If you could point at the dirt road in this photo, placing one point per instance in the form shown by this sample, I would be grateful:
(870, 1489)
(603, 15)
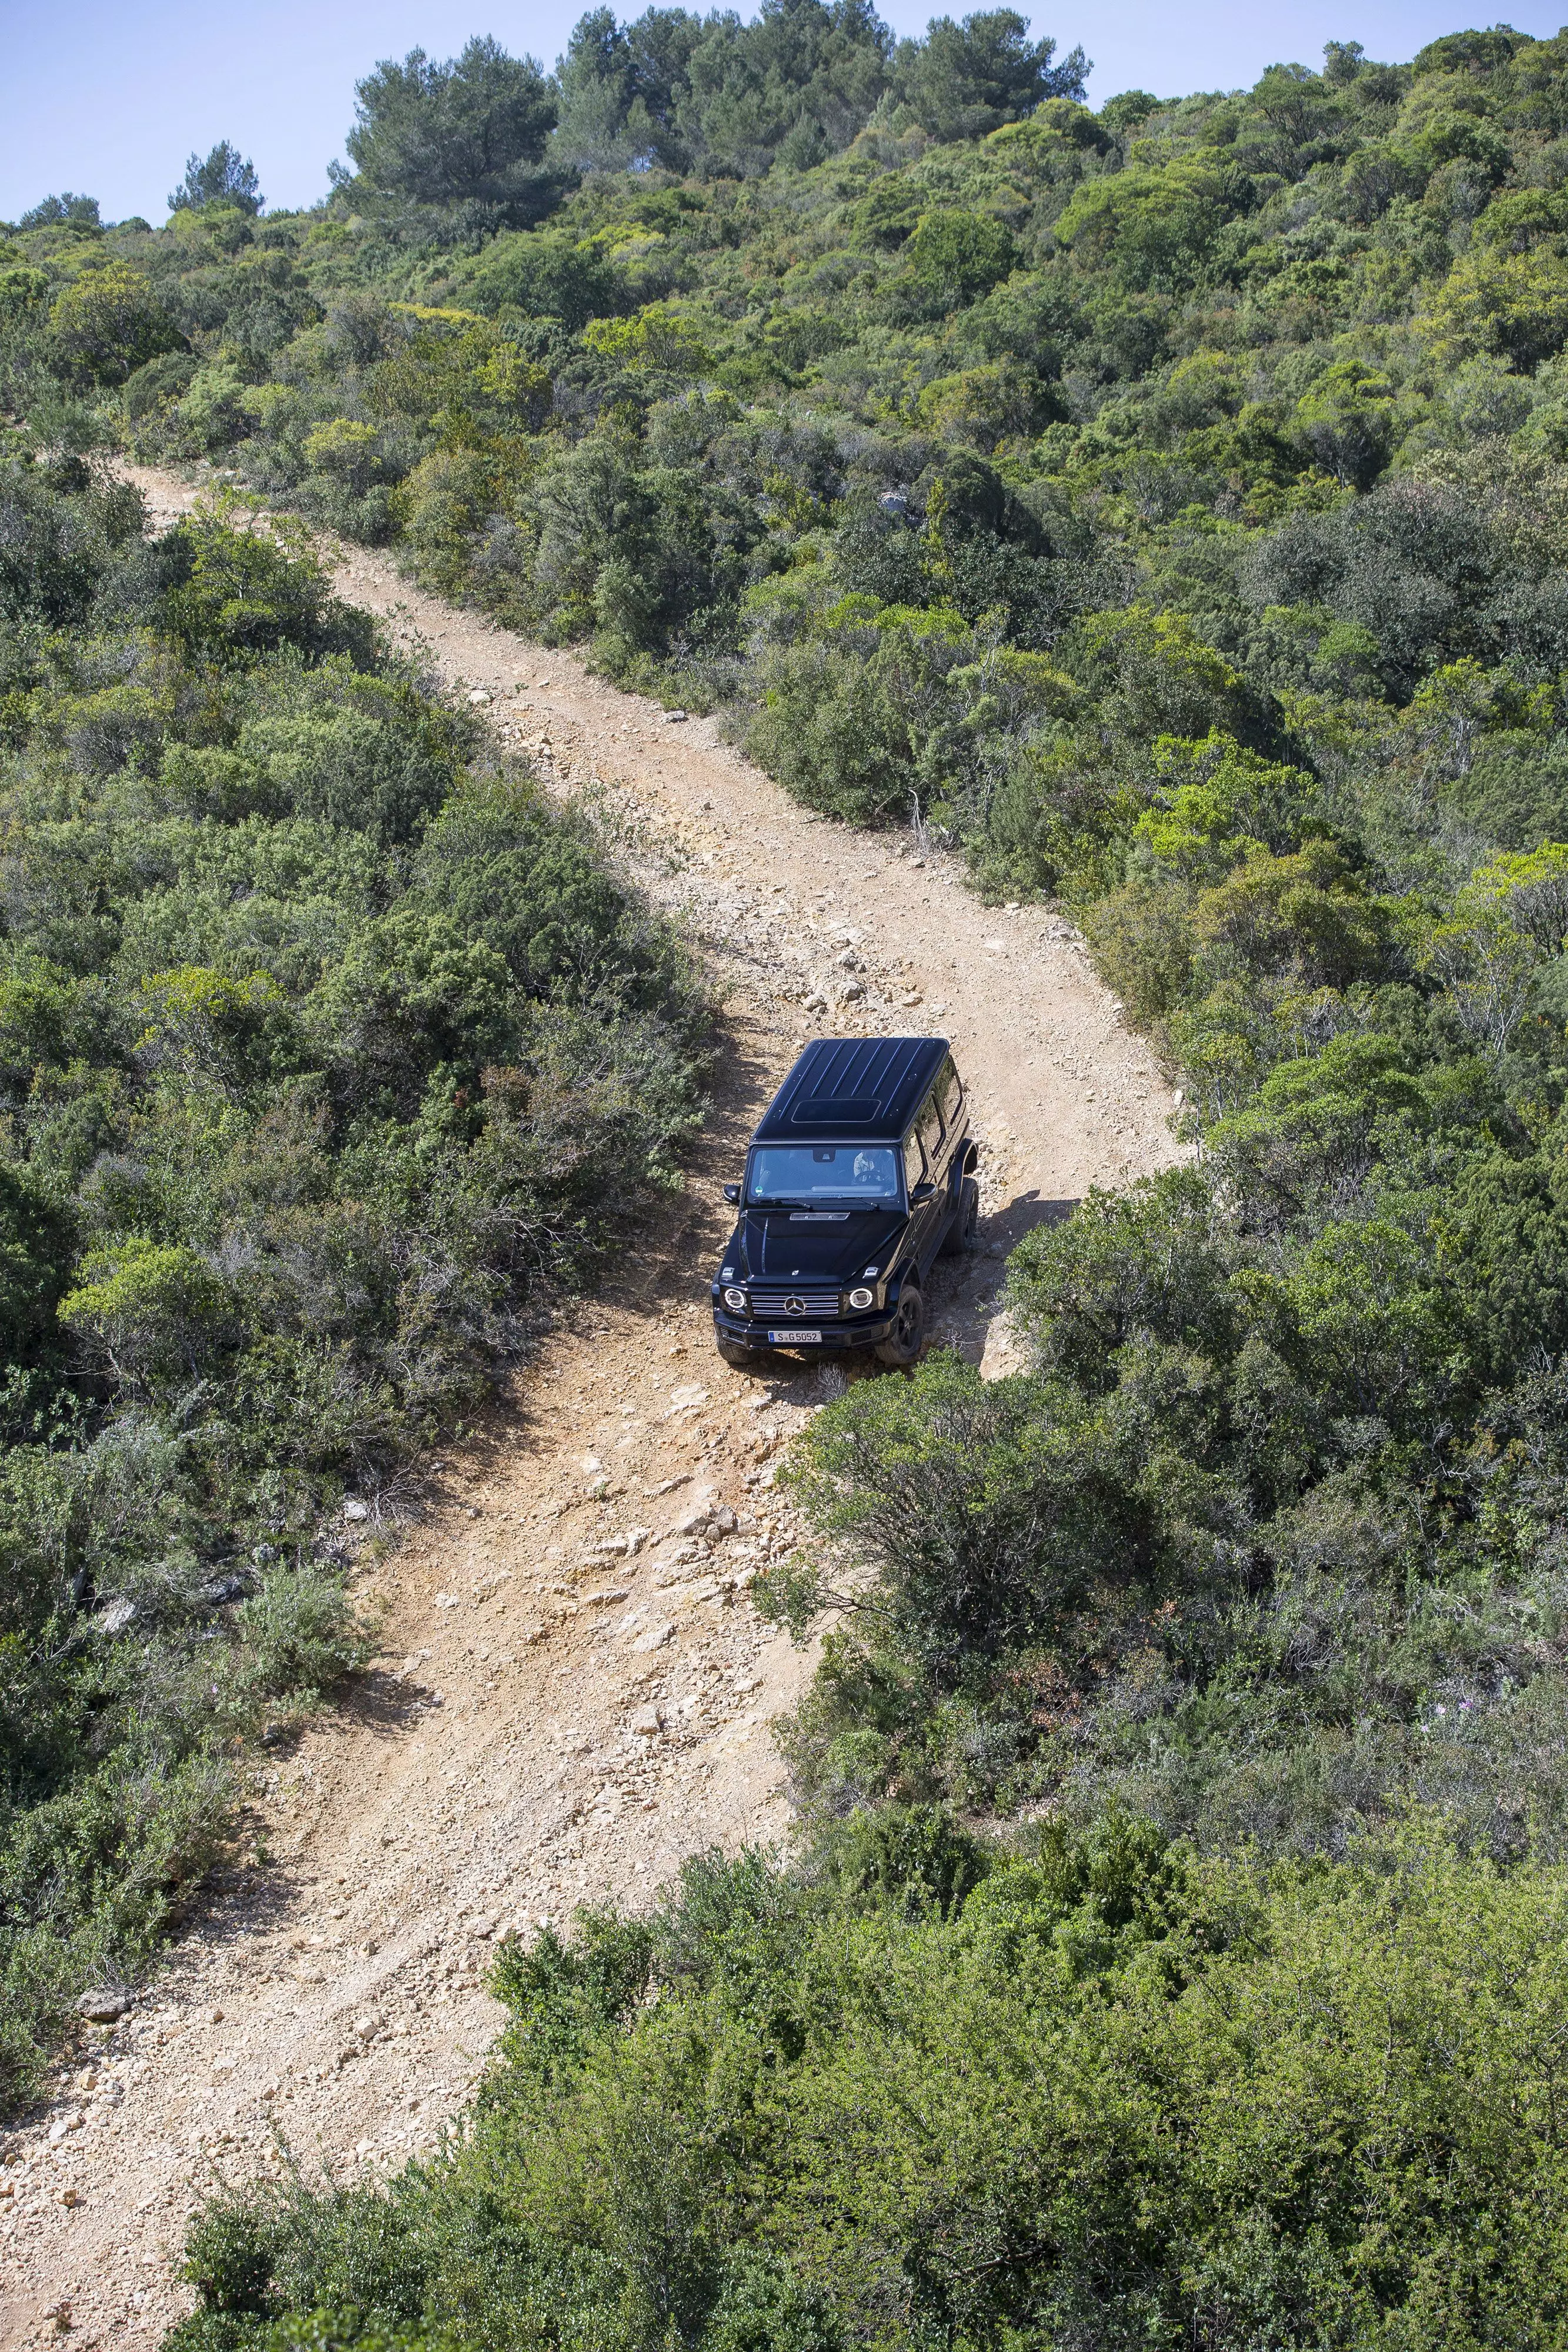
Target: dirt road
(575, 1690)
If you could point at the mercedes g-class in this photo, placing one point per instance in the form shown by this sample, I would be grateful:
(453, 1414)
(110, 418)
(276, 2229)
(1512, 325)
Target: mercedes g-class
(861, 1170)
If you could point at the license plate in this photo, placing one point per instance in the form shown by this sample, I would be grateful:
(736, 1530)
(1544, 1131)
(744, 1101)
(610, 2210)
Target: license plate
(793, 1339)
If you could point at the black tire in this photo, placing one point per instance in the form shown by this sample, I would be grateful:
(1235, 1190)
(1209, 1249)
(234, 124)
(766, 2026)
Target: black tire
(963, 1235)
(904, 1343)
(740, 1359)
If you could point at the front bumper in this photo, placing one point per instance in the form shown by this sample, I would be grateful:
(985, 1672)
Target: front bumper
(843, 1331)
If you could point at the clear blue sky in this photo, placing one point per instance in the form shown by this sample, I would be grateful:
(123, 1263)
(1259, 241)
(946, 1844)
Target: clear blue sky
(109, 99)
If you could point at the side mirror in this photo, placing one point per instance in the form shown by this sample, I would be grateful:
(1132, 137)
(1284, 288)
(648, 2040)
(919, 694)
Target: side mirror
(921, 1194)
(732, 1191)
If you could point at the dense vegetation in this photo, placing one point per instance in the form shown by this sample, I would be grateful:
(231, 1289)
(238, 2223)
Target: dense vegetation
(322, 1040)
(1114, 2099)
(1166, 505)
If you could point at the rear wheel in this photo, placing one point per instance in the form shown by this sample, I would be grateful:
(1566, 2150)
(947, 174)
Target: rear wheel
(902, 1344)
(740, 1359)
(964, 1232)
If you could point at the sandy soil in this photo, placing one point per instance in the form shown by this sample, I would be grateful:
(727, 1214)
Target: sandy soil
(574, 1690)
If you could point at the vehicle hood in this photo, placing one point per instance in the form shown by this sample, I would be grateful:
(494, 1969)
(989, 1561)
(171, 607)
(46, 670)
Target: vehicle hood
(774, 1246)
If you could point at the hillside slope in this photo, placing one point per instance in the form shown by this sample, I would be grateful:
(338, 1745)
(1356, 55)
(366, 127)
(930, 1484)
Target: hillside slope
(491, 1771)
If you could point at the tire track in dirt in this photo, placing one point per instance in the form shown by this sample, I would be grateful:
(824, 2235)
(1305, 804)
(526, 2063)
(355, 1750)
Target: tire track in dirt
(574, 1690)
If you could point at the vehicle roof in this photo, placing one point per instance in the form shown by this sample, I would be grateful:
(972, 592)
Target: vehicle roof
(874, 1085)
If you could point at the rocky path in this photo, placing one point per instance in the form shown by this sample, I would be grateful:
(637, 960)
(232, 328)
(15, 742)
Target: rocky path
(574, 1690)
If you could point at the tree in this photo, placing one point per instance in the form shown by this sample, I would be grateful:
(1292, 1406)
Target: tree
(110, 322)
(1347, 421)
(1128, 110)
(958, 256)
(619, 86)
(470, 130)
(63, 212)
(1514, 305)
(793, 85)
(1510, 917)
(544, 275)
(34, 1243)
(595, 79)
(222, 178)
(1140, 228)
(965, 79)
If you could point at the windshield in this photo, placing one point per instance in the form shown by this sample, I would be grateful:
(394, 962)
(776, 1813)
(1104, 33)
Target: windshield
(824, 1171)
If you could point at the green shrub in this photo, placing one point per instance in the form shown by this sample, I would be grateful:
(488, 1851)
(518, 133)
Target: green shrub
(108, 323)
(299, 1635)
(243, 590)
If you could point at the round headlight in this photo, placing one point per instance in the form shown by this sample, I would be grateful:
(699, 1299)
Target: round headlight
(862, 1298)
(736, 1301)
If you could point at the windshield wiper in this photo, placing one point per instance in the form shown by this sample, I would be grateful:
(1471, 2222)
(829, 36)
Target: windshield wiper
(824, 1200)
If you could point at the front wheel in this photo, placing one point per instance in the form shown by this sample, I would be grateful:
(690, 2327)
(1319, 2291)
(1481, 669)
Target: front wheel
(740, 1359)
(963, 1235)
(902, 1344)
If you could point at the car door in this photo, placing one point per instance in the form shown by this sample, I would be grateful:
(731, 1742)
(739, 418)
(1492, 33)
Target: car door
(911, 1249)
(931, 1214)
(954, 1128)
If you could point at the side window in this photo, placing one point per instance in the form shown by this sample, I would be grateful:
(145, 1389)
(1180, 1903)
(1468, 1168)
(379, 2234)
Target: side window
(928, 1128)
(912, 1168)
(949, 1093)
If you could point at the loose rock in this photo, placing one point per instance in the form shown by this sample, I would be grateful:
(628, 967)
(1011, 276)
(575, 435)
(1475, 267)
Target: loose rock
(103, 2008)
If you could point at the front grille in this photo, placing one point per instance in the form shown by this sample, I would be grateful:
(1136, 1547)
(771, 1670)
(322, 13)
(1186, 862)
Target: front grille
(794, 1305)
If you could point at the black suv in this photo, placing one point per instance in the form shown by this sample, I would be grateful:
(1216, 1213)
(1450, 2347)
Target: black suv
(860, 1171)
